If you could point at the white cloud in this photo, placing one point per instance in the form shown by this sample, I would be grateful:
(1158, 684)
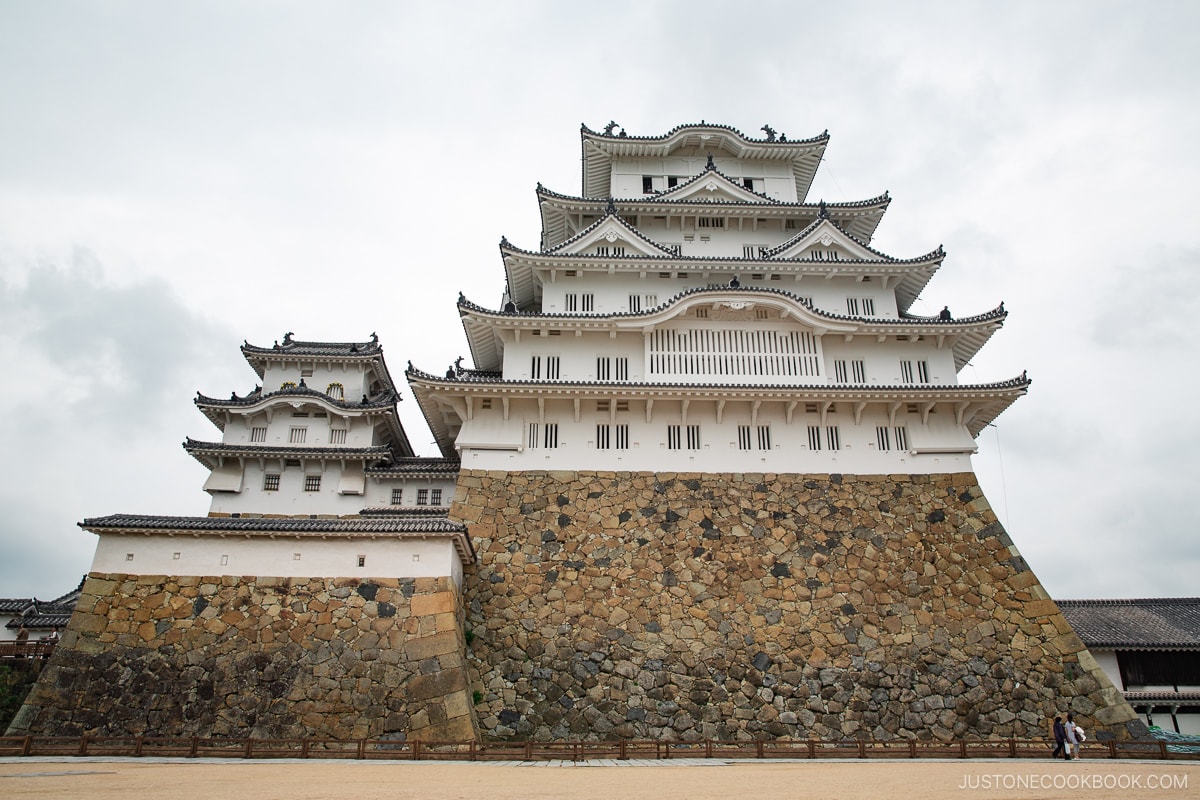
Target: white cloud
(243, 170)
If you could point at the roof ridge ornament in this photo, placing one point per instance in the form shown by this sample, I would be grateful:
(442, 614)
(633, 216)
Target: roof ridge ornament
(769, 131)
(823, 212)
(710, 164)
(608, 129)
(287, 338)
(611, 208)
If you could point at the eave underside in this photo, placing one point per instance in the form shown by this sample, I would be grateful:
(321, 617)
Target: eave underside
(447, 403)
(562, 218)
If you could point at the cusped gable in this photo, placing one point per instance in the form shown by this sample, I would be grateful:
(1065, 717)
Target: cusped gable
(610, 236)
(712, 186)
(823, 241)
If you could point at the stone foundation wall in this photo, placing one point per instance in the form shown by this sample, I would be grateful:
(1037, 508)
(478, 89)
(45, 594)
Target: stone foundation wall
(263, 657)
(688, 606)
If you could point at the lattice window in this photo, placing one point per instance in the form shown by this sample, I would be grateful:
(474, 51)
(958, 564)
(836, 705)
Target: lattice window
(422, 497)
(337, 436)
(738, 352)
(435, 497)
(297, 435)
(550, 438)
(397, 497)
(901, 437)
(312, 483)
(743, 437)
(693, 437)
(258, 434)
(271, 482)
(710, 222)
(603, 437)
(635, 303)
(336, 391)
(534, 439)
(674, 439)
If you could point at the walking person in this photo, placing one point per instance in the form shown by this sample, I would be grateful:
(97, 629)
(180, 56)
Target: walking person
(1060, 740)
(1072, 739)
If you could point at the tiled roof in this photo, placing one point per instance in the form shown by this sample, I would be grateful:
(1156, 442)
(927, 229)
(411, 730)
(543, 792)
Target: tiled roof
(200, 449)
(385, 400)
(45, 620)
(422, 512)
(416, 466)
(662, 198)
(374, 526)
(15, 605)
(584, 129)
(291, 347)
(1022, 381)
(1170, 623)
(951, 326)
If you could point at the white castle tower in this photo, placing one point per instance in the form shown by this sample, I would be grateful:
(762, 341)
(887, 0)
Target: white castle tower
(692, 311)
(316, 453)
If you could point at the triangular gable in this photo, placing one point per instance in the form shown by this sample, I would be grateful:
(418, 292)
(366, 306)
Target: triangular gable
(712, 186)
(610, 236)
(823, 241)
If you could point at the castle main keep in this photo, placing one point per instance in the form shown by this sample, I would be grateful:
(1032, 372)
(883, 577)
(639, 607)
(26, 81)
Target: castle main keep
(707, 477)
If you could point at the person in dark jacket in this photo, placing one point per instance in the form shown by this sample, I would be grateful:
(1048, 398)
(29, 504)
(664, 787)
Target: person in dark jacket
(1060, 740)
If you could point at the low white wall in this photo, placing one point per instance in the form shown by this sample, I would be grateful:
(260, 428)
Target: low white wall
(282, 557)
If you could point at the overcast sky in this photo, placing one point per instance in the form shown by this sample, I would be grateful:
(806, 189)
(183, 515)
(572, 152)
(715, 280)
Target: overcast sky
(175, 178)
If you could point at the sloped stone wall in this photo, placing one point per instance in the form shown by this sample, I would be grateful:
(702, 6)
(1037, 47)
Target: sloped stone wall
(689, 606)
(263, 657)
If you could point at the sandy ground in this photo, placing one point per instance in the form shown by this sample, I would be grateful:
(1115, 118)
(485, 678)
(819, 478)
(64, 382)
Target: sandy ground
(123, 779)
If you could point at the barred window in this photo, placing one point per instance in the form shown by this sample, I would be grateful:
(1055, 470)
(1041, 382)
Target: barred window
(397, 497)
(883, 437)
(337, 436)
(901, 437)
(435, 497)
(833, 437)
(297, 435)
(622, 437)
(271, 482)
(673, 438)
(258, 434)
(743, 437)
(603, 438)
(764, 437)
(550, 439)
(814, 437)
(422, 497)
(312, 483)
(547, 367)
(336, 391)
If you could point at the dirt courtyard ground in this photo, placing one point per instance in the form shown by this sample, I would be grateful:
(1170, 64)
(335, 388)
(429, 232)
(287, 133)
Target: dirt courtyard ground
(125, 779)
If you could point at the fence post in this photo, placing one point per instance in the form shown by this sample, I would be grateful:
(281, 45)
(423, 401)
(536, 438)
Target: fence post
(249, 748)
(137, 748)
(27, 746)
(622, 752)
(83, 743)
(416, 751)
(812, 749)
(708, 748)
(473, 755)
(528, 750)
(912, 748)
(758, 749)
(1012, 748)
(1162, 748)
(1112, 748)
(962, 748)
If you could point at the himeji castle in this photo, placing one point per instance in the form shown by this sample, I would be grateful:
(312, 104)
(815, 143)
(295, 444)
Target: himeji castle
(704, 476)
(693, 311)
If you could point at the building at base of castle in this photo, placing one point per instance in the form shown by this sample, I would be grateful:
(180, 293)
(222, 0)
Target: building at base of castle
(708, 477)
